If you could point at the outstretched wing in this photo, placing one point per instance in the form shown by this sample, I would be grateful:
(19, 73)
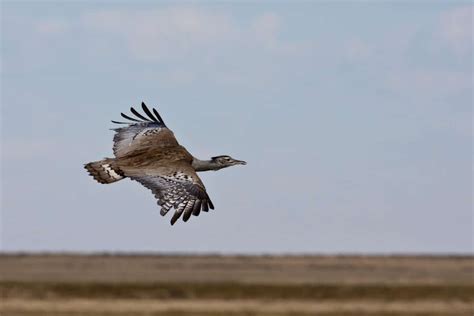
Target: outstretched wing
(148, 152)
(177, 186)
(142, 132)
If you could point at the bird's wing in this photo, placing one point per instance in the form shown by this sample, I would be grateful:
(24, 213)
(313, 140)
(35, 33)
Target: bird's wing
(142, 133)
(175, 185)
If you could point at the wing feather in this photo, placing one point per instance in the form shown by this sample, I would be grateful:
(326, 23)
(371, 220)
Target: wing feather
(142, 135)
(158, 117)
(205, 208)
(177, 186)
(211, 206)
(188, 210)
(178, 212)
(129, 118)
(197, 208)
(139, 115)
(149, 113)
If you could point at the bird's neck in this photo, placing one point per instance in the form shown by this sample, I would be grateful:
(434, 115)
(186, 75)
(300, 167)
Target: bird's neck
(205, 165)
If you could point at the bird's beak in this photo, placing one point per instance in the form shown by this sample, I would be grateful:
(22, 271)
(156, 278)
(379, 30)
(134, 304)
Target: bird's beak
(240, 162)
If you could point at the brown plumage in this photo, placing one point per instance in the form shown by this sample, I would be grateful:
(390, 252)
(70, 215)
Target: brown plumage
(147, 151)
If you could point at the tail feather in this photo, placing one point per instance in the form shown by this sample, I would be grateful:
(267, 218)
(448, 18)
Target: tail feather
(104, 171)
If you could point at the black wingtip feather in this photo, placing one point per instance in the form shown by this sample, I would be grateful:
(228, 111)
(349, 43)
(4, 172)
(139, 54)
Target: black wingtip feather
(158, 116)
(139, 115)
(129, 118)
(175, 217)
(205, 207)
(197, 208)
(211, 206)
(187, 215)
(147, 111)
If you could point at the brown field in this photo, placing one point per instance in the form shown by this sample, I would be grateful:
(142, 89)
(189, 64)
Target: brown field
(139, 285)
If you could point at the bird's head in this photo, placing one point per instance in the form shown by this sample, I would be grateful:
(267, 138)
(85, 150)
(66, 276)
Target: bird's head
(226, 161)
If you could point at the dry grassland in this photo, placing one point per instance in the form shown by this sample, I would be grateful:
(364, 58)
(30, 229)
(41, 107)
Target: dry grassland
(139, 285)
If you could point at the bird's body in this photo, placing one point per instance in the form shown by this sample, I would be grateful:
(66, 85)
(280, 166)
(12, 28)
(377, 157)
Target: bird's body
(147, 151)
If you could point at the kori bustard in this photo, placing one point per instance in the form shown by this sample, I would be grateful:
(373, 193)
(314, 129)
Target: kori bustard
(146, 151)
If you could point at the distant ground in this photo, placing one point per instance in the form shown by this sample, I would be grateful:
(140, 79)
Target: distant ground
(139, 285)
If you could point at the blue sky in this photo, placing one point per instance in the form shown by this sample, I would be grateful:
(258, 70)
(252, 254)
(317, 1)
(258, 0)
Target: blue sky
(355, 119)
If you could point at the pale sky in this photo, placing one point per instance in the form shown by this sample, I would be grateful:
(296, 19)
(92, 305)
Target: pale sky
(355, 119)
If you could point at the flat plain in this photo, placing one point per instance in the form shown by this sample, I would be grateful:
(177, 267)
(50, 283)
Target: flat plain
(158, 285)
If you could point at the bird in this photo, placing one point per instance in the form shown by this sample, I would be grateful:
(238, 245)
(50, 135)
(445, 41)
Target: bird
(147, 151)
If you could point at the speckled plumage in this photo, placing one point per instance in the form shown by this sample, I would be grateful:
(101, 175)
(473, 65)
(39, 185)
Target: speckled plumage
(147, 151)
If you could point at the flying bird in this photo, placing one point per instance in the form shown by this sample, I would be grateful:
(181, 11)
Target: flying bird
(147, 151)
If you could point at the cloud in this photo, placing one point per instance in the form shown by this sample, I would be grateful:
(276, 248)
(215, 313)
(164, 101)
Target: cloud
(430, 83)
(51, 27)
(265, 28)
(163, 33)
(456, 29)
(177, 32)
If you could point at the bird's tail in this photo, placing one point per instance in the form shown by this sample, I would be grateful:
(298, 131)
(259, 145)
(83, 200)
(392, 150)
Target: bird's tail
(104, 171)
